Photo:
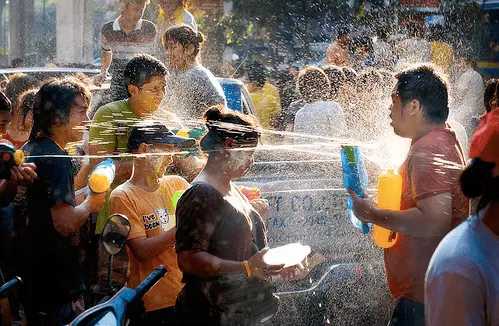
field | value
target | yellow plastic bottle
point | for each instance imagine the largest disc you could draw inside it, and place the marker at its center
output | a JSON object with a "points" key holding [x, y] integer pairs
{"points": [[389, 197]]}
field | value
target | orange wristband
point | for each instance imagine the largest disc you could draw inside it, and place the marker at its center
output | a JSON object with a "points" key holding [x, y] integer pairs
{"points": [[248, 269]]}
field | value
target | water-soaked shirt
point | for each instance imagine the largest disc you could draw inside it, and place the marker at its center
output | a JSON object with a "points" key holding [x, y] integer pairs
{"points": [[432, 167], [220, 225], [53, 276], [190, 93]]}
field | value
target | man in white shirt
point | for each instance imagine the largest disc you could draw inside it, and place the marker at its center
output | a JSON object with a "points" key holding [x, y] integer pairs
{"points": [[468, 96], [318, 117]]}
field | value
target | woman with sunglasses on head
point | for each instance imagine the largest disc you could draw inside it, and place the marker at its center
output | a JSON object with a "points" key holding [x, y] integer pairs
{"points": [[221, 236], [462, 287], [191, 88]]}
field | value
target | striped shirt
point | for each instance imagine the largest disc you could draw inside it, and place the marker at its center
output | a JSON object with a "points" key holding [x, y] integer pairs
{"points": [[125, 46]]}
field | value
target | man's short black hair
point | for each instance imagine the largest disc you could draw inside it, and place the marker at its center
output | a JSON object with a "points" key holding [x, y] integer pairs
{"points": [[336, 78], [256, 73], [141, 68], [427, 86], [5, 104], [342, 31], [52, 104]]}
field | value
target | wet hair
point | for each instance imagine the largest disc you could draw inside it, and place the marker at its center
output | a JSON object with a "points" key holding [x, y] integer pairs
{"points": [[25, 104], [424, 84], [52, 104], [477, 182], [343, 31], [256, 72], [141, 68], [350, 76], [313, 84], [383, 33], [223, 124], [491, 94], [184, 35], [18, 84], [369, 79], [336, 78], [16, 63], [5, 104]]}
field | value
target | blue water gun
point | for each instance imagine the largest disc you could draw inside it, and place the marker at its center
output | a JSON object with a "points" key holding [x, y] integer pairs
{"points": [[354, 178]]}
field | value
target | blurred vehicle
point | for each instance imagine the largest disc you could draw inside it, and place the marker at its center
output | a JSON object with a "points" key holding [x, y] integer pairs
{"points": [[307, 200]]}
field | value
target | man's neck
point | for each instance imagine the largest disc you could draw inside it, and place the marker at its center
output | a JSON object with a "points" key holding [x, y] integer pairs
{"points": [[127, 25], [60, 139], [144, 178], [137, 107], [427, 128], [490, 217], [214, 175]]}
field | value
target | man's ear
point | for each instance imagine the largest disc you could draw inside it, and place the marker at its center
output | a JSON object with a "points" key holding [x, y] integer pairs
{"points": [[228, 143], [414, 107], [190, 49], [142, 148], [133, 90]]}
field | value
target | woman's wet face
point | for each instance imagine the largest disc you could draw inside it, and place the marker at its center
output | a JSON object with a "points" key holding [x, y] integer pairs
{"points": [[241, 158], [175, 53]]}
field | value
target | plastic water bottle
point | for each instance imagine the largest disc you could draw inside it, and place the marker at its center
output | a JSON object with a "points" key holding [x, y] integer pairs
{"points": [[10, 156], [102, 176], [389, 197]]}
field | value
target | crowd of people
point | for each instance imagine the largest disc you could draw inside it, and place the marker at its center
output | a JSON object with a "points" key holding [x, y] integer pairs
{"points": [[213, 240]]}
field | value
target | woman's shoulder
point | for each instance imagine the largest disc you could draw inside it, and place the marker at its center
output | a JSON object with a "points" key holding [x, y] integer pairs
{"points": [[459, 252], [200, 72], [202, 191]]}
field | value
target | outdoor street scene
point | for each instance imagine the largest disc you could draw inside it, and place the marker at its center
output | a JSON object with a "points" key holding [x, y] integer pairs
{"points": [[249, 162]]}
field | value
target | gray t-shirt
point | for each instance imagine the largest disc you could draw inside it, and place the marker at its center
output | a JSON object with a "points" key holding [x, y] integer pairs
{"points": [[320, 118], [190, 93], [462, 283]]}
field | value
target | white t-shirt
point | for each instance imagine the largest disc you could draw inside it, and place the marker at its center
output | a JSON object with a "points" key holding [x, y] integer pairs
{"points": [[468, 98], [190, 93], [320, 118], [462, 281], [461, 135]]}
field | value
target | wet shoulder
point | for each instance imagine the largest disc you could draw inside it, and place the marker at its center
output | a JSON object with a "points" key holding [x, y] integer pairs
{"points": [[199, 193], [174, 182], [122, 191], [440, 141], [460, 252], [199, 73], [42, 146], [115, 110], [148, 27], [107, 28]]}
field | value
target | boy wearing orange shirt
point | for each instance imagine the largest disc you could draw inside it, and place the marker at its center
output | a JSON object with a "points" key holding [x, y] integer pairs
{"points": [[146, 199]]}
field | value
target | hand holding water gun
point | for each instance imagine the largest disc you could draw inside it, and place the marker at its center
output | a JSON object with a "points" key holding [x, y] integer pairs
{"points": [[12, 166], [254, 195], [356, 182], [250, 192]]}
